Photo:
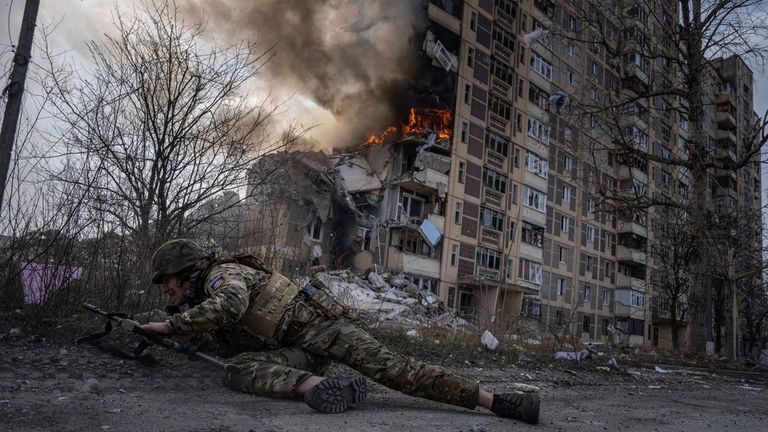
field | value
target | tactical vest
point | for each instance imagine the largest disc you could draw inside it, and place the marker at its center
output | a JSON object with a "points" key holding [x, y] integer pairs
{"points": [[266, 309]]}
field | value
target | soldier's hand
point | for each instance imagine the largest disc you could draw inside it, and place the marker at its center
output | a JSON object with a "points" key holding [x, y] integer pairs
{"points": [[157, 327]]}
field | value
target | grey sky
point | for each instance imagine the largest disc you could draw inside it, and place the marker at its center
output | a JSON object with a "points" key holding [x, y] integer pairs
{"points": [[74, 22]]}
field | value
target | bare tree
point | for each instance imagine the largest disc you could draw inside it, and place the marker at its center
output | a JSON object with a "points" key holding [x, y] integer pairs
{"points": [[161, 124], [663, 65]]}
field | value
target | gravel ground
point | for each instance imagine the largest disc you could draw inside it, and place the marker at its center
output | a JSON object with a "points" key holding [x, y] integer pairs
{"points": [[52, 385]]}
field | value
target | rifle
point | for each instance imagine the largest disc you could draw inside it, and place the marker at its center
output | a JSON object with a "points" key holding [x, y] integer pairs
{"points": [[122, 320]]}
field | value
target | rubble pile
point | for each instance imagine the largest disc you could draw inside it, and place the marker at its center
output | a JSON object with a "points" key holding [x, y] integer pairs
{"points": [[384, 297]]}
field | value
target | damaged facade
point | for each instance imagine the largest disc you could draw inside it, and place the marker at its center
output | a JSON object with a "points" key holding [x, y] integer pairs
{"points": [[476, 195]]}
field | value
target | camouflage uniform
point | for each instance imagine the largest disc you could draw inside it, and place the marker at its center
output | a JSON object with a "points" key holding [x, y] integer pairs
{"points": [[308, 337]]}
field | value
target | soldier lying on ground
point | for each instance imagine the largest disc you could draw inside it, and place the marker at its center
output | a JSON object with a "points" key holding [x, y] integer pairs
{"points": [[283, 337]]}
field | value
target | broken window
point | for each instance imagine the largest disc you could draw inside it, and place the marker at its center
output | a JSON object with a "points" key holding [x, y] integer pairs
{"points": [[565, 223], [532, 234], [502, 71], [535, 199], [488, 258], [315, 228], [457, 213], [587, 292], [454, 255], [464, 131], [412, 206], [470, 57], [536, 165], [537, 129], [606, 297], [500, 107], [541, 66], [530, 271], [491, 219], [496, 143], [495, 181], [560, 286], [586, 324], [462, 169]]}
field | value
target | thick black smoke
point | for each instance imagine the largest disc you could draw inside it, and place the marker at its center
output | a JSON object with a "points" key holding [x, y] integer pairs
{"points": [[354, 58]]}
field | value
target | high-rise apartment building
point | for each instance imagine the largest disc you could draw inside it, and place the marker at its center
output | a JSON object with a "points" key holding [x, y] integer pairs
{"points": [[527, 230]]}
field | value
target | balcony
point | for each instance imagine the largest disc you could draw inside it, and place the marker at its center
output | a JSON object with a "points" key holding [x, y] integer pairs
{"points": [[445, 18], [632, 173], [531, 252], [534, 180], [661, 312], [633, 70], [631, 226], [533, 216], [629, 283], [725, 150], [492, 198], [424, 181], [634, 85], [420, 265], [725, 135], [547, 7], [725, 94], [628, 255], [626, 310], [726, 116]]}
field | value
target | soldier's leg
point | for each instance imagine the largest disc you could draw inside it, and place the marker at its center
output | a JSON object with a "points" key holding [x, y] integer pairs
{"points": [[276, 373], [342, 341]]}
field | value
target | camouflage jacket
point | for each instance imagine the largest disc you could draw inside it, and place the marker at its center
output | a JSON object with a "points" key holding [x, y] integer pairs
{"points": [[230, 290]]}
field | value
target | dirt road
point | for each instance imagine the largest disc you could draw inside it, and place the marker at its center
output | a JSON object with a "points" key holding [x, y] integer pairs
{"points": [[45, 386]]}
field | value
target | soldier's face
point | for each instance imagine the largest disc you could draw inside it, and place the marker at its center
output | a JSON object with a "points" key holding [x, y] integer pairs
{"points": [[174, 290]]}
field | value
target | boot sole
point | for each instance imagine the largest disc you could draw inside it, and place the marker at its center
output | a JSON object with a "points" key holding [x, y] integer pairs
{"points": [[333, 395]]}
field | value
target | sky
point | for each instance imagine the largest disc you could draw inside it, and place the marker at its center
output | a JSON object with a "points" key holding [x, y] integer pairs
{"points": [[72, 23]]}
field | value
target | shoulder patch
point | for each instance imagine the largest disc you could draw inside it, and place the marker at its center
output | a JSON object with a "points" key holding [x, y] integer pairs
{"points": [[215, 282]]}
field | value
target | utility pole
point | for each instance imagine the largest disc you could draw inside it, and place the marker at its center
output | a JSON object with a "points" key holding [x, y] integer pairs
{"points": [[15, 90]]}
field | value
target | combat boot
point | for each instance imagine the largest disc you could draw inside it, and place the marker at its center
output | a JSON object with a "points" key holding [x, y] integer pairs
{"points": [[517, 405], [334, 395]]}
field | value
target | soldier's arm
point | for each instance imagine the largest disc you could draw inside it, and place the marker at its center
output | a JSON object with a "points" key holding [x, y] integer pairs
{"points": [[226, 303]]}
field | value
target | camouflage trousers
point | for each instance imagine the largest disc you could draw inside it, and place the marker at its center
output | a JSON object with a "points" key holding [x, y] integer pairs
{"points": [[312, 340]]}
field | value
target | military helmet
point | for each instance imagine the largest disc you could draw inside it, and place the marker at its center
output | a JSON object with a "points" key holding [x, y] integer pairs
{"points": [[174, 257]]}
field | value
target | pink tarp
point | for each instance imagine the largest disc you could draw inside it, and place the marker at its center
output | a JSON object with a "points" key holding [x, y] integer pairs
{"points": [[39, 281]]}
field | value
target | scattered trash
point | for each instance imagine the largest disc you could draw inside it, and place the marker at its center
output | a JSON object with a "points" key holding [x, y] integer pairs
{"points": [[489, 341], [586, 354], [5, 401], [661, 370], [14, 332], [614, 364], [477, 428], [749, 387], [412, 333], [113, 411], [61, 398], [654, 387]]}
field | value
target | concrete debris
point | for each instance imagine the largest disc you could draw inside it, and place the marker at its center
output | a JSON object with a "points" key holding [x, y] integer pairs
{"points": [[399, 301], [489, 341], [15, 332], [412, 333], [377, 280]]}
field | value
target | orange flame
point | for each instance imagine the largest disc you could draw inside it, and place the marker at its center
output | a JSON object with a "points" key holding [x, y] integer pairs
{"points": [[421, 121]]}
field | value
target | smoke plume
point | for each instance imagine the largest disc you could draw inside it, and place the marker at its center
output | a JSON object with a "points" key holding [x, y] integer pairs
{"points": [[353, 58]]}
